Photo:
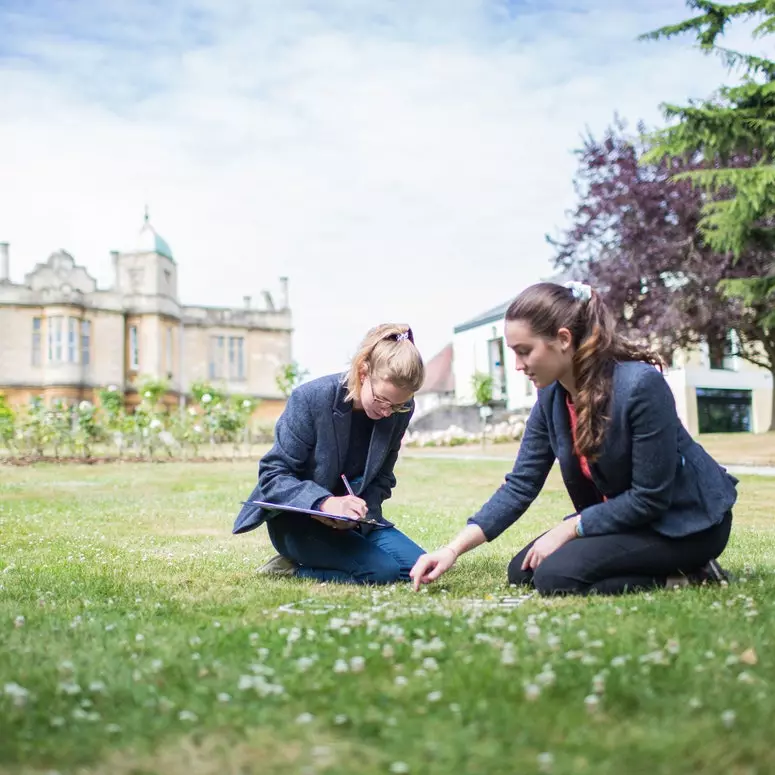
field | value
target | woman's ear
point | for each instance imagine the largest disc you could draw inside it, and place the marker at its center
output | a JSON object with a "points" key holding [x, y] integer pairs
{"points": [[565, 337], [363, 372]]}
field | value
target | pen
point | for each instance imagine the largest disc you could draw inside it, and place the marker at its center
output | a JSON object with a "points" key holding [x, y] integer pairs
{"points": [[347, 485]]}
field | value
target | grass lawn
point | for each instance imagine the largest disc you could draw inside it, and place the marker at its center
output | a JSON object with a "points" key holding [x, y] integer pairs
{"points": [[136, 638]]}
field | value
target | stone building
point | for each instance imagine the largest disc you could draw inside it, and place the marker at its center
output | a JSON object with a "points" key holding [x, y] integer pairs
{"points": [[61, 336]]}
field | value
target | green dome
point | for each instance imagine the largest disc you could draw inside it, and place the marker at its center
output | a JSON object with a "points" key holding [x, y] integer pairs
{"points": [[151, 242]]}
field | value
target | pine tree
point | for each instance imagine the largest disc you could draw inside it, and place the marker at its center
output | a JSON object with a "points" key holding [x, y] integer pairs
{"points": [[739, 212]]}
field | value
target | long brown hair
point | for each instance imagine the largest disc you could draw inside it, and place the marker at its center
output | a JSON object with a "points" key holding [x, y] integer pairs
{"points": [[548, 307], [387, 352]]}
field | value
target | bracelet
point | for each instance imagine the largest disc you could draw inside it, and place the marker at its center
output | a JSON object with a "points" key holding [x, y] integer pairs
{"points": [[579, 528]]}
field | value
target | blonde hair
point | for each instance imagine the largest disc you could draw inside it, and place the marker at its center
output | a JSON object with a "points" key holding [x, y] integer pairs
{"points": [[387, 352]]}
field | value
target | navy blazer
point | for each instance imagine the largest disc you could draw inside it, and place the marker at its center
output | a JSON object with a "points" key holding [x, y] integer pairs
{"points": [[649, 469], [307, 459]]}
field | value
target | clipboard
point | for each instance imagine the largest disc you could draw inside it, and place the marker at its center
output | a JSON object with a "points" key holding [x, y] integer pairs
{"points": [[315, 513]]}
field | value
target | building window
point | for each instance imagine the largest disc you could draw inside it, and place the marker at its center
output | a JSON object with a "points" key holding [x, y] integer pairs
{"points": [[236, 357], [85, 342], [55, 325], [724, 411], [37, 324], [216, 357], [134, 349], [169, 349], [72, 340]]}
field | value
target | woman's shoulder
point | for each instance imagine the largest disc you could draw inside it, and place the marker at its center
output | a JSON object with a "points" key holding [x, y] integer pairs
{"points": [[636, 372], [320, 387], [637, 382]]}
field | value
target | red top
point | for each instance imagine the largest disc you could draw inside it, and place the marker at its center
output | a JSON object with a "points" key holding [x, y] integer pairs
{"points": [[573, 421]]}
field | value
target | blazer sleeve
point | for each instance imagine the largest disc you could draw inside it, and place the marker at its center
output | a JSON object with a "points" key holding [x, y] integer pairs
{"points": [[654, 427], [281, 470], [523, 483], [381, 487]]}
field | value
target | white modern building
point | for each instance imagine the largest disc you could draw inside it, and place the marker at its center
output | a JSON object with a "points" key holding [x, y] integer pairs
{"points": [[733, 395]]}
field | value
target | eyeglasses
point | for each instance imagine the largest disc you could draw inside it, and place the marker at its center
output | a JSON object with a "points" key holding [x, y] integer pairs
{"points": [[398, 408]]}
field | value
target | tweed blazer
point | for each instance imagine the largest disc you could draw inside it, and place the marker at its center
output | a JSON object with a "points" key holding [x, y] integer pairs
{"points": [[311, 440], [649, 472]]}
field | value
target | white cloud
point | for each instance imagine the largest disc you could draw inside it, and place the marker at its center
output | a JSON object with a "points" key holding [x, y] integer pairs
{"points": [[398, 160]]}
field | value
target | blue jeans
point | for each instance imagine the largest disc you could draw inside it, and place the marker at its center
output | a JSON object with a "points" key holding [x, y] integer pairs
{"points": [[383, 556]]}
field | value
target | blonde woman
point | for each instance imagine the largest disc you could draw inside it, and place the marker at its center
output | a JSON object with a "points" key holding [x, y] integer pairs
{"points": [[349, 424]]}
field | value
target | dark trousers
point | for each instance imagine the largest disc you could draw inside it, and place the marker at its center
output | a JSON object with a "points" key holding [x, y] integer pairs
{"points": [[383, 556], [620, 562]]}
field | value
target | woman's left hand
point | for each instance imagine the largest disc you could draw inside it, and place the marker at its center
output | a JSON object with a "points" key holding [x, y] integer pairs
{"points": [[550, 542]]}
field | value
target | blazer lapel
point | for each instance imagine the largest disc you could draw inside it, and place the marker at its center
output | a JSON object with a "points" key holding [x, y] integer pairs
{"points": [[581, 490], [342, 422], [378, 448]]}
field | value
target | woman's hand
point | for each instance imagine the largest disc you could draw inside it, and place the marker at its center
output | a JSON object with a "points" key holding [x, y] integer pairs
{"points": [[550, 542], [345, 506], [430, 566]]}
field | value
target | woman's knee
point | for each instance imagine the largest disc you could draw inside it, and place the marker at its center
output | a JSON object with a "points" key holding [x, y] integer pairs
{"points": [[385, 571], [549, 579], [516, 575]]}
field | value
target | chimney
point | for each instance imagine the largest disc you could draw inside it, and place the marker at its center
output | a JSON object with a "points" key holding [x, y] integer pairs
{"points": [[284, 302], [5, 263], [116, 274], [247, 300]]}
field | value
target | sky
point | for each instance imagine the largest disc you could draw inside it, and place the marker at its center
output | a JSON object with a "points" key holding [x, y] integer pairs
{"points": [[397, 160]]}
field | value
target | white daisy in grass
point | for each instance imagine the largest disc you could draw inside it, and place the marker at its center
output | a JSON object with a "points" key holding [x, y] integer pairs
{"points": [[305, 663], [18, 694], [592, 703], [728, 718], [545, 761], [547, 676], [508, 655], [533, 632], [532, 692]]}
